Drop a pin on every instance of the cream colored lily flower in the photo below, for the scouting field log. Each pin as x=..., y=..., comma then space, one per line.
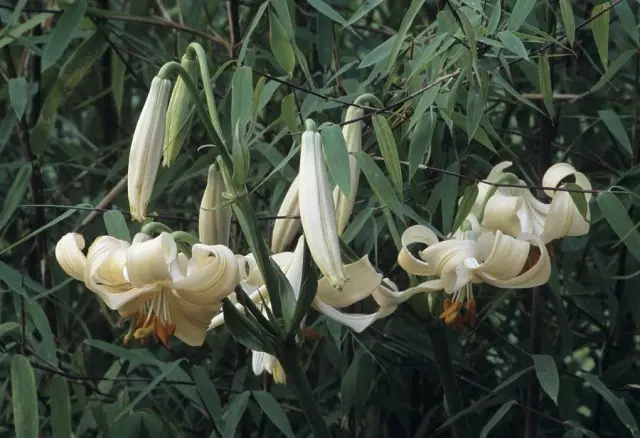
x=161, y=290
x=515, y=210
x=284, y=230
x=146, y=147
x=214, y=223
x=317, y=211
x=492, y=258
x=352, y=134
x=264, y=362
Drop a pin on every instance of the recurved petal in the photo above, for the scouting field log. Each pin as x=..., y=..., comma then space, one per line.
x=191, y=320
x=250, y=273
x=406, y=260
x=363, y=281
x=390, y=296
x=558, y=172
x=212, y=274
x=504, y=256
x=69, y=255
x=148, y=262
x=447, y=259
x=564, y=219
x=501, y=213
x=356, y=321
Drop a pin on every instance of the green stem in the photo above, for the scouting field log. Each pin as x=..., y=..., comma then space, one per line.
x=453, y=400
x=297, y=378
x=155, y=227
x=368, y=98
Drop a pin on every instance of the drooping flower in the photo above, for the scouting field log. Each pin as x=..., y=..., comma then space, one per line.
x=352, y=134
x=489, y=257
x=264, y=362
x=214, y=222
x=514, y=210
x=287, y=223
x=146, y=147
x=317, y=212
x=162, y=291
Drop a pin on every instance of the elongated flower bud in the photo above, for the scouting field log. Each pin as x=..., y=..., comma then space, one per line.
x=317, y=212
x=352, y=134
x=179, y=114
x=284, y=230
x=214, y=223
x=146, y=147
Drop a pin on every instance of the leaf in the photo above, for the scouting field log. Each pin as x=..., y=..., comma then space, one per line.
x=247, y=37
x=379, y=183
x=207, y=391
x=426, y=100
x=18, y=95
x=24, y=398
x=420, y=145
x=627, y=20
x=337, y=156
x=7, y=327
x=475, y=109
x=379, y=54
x=618, y=218
x=118, y=70
x=613, y=123
x=544, y=75
x=116, y=225
x=366, y=7
x=514, y=44
x=60, y=408
x=480, y=136
x=519, y=14
x=568, y=20
x=241, y=328
x=234, y=414
x=466, y=204
x=280, y=44
x=616, y=65
x=494, y=20
x=324, y=40
x=18, y=31
x=495, y=418
x=389, y=150
x=288, y=112
x=62, y=34
x=509, y=89
x=241, y=97
x=409, y=16
x=273, y=411
x=357, y=381
x=328, y=11
x=547, y=374
x=15, y=194
x=600, y=29
x=617, y=404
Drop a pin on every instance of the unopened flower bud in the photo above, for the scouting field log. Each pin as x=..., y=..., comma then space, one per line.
x=214, y=222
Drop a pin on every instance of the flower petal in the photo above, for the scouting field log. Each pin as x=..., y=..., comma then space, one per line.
x=447, y=259
x=148, y=262
x=406, y=260
x=284, y=230
x=501, y=213
x=564, y=219
x=357, y=321
x=556, y=173
x=70, y=257
x=504, y=256
x=388, y=297
x=363, y=280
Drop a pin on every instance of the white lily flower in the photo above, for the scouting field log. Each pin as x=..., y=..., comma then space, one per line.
x=264, y=362
x=284, y=230
x=492, y=258
x=161, y=290
x=514, y=210
x=317, y=212
x=352, y=134
x=214, y=223
x=146, y=147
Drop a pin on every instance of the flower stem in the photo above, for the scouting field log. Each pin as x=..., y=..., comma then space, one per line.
x=453, y=400
x=296, y=376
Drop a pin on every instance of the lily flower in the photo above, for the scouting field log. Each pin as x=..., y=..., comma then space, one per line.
x=490, y=257
x=264, y=362
x=284, y=229
x=162, y=291
x=317, y=212
x=515, y=210
x=352, y=134
x=146, y=147
x=214, y=223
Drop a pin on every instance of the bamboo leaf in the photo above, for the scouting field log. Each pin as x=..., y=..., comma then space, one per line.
x=280, y=45
x=613, y=123
x=495, y=419
x=566, y=11
x=389, y=150
x=337, y=156
x=63, y=33
x=547, y=374
x=24, y=398
x=600, y=29
x=544, y=75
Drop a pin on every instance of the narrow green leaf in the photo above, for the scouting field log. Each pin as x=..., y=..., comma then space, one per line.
x=470, y=34
x=18, y=95
x=568, y=20
x=324, y=40
x=544, y=75
x=379, y=183
x=480, y=136
x=409, y=16
x=241, y=328
x=209, y=395
x=495, y=418
x=24, y=398
x=15, y=194
x=10, y=34
x=116, y=225
x=63, y=33
x=616, y=65
x=573, y=433
x=280, y=44
x=328, y=11
x=519, y=14
x=337, y=156
x=627, y=20
x=420, y=146
x=475, y=109
x=600, y=29
x=466, y=204
x=617, y=404
x=60, y=408
x=514, y=44
x=241, y=96
x=288, y=112
x=234, y=413
x=426, y=100
x=118, y=70
x=356, y=225
x=616, y=215
x=613, y=123
x=256, y=19
x=273, y=411
x=509, y=89
x=379, y=54
x=547, y=374
x=366, y=7
x=389, y=150
x=496, y=15
x=7, y=327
